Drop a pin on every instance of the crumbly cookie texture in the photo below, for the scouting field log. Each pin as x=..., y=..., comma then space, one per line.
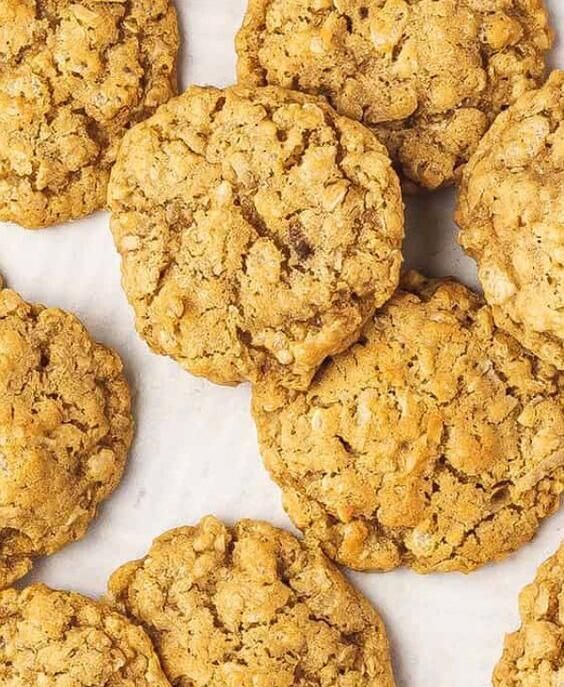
x=251, y=606
x=65, y=430
x=58, y=639
x=534, y=655
x=511, y=214
x=428, y=76
x=74, y=76
x=436, y=442
x=258, y=231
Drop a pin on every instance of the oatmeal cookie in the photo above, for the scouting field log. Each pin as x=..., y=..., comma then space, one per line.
x=251, y=606
x=534, y=655
x=74, y=76
x=428, y=76
x=511, y=214
x=436, y=442
x=258, y=231
x=65, y=430
x=58, y=639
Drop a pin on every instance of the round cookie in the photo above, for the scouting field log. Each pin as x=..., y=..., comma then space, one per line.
x=428, y=76
x=74, y=76
x=436, y=442
x=65, y=431
x=58, y=639
x=251, y=606
x=511, y=215
x=258, y=231
x=534, y=655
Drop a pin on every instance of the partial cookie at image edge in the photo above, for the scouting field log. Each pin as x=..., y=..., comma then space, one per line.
x=67, y=426
x=534, y=654
x=511, y=217
x=251, y=604
x=51, y=638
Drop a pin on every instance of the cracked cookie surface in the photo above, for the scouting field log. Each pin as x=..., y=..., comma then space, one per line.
x=258, y=231
x=65, y=431
x=511, y=214
x=74, y=76
x=59, y=639
x=534, y=655
x=428, y=76
x=436, y=442
x=251, y=606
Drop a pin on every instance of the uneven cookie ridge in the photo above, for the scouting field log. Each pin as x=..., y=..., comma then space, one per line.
x=511, y=214
x=258, y=231
x=428, y=76
x=74, y=76
x=436, y=442
x=65, y=431
x=534, y=654
x=50, y=638
x=251, y=605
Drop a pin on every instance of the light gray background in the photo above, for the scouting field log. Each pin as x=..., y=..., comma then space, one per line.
x=195, y=452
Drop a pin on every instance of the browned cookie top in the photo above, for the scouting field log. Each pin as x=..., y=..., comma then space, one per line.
x=258, y=231
x=436, y=442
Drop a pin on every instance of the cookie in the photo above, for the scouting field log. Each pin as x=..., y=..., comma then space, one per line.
x=251, y=606
x=534, y=655
x=258, y=231
x=65, y=430
x=58, y=639
x=74, y=76
x=428, y=76
x=511, y=215
x=436, y=442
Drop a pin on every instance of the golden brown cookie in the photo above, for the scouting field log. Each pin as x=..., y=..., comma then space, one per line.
x=511, y=214
x=428, y=76
x=65, y=430
x=258, y=231
x=436, y=442
x=534, y=655
x=251, y=606
x=58, y=639
x=74, y=76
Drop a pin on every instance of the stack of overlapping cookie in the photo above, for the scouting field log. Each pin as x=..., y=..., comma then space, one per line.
x=407, y=421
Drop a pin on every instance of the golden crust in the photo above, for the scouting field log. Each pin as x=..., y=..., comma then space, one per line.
x=436, y=442
x=428, y=76
x=51, y=639
x=74, y=76
x=258, y=231
x=511, y=214
x=65, y=431
x=534, y=655
x=251, y=606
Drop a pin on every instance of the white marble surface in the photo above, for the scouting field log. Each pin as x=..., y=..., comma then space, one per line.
x=195, y=451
